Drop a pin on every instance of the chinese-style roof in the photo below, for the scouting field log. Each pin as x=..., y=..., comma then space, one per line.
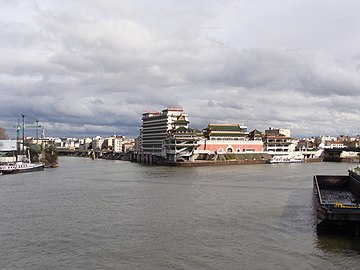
x=256, y=132
x=225, y=127
x=276, y=136
x=181, y=121
x=227, y=134
x=195, y=130
x=182, y=129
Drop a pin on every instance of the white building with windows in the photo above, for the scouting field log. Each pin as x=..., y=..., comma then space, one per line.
x=116, y=143
x=181, y=141
x=230, y=138
x=277, y=140
x=97, y=143
x=7, y=150
x=85, y=144
x=326, y=142
x=155, y=128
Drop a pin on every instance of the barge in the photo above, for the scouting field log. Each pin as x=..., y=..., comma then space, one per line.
x=337, y=201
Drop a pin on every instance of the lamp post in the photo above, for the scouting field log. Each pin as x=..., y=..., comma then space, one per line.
x=23, y=132
x=37, y=131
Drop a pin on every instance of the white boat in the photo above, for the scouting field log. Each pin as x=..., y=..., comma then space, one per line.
x=23, y=162
x=280, y=159
x=296, y=160
x=20, y=167
x=284, y=159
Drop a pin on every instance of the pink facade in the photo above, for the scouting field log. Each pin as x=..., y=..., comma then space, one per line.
x=232, y=146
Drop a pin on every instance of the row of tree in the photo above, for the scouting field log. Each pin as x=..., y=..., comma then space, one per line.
x=3, y=135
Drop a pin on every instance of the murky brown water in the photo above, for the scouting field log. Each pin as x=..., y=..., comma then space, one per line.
x=120, y=215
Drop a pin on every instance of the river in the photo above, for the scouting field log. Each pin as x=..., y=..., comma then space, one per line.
x=101, y=214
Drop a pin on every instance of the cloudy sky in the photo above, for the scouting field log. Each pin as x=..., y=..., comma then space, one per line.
x=92, y=67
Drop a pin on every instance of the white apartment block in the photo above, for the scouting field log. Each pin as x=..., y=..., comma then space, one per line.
x=7, y=150
x=128, y=145
x=116, y=143
x=97, y=143
x=155, y=128
x=324, y=142
x=85, y=143
x=277, y=140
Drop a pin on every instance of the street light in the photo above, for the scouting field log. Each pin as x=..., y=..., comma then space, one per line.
x=23, y=132
x=37, y=131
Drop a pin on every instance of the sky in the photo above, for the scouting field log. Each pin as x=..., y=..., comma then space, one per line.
x=93, y=67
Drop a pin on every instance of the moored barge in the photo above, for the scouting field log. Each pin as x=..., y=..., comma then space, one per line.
x=337, y=201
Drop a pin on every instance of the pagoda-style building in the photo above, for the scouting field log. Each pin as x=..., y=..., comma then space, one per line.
x=225, y=132
x=255, y=135
x=181, y=141
x=229, y=138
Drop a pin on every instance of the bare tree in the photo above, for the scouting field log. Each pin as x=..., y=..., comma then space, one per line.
x=3, y=135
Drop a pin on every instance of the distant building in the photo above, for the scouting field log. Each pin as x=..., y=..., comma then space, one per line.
x=337, y=144
x=255, y=135
x=114, y=143
x=181, y=141
x=62, y=143
x=155, y=128
x=117, y=144
x=278, y=132
x=349, y=141
x=96, y=143
x=137, y=144
x=305, y=144
x=230, y=138
x=8, y=145
x=7, y=150
x=324, y=142
x=128, y=145
x=277, y=140
x=85, y=144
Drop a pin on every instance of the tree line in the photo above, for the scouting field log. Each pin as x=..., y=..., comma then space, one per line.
x=3, y=135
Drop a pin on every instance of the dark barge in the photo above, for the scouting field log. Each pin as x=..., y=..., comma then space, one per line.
x=337, y=201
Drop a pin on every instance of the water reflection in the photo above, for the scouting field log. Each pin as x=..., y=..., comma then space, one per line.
x=338, y=242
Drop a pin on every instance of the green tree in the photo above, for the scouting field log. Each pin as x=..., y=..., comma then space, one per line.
x=3, y=135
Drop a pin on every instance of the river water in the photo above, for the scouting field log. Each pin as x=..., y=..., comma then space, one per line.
x=119, y=215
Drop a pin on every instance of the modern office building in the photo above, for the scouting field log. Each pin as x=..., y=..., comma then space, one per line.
x=156, y=127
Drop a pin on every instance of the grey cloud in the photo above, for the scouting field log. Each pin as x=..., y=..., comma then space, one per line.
x=86, y=72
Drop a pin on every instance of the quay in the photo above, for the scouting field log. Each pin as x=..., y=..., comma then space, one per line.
x=154, y=160
x=151, y=159
x=94, y=154
x=207, y=160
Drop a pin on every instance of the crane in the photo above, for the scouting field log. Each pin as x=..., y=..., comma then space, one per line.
x=37, y=126
x=18, y=128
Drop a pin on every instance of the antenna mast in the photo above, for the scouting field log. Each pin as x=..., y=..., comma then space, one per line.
x=23, y=133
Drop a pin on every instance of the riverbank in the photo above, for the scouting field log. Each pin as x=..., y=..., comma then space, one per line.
x=94, y=154
x=202, y=160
